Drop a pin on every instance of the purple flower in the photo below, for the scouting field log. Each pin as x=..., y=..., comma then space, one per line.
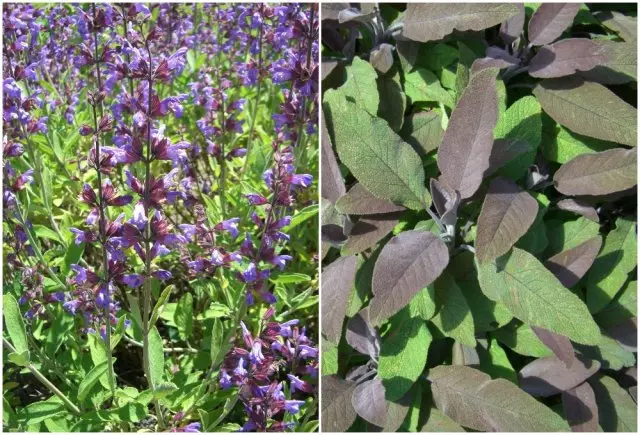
x=162, y=274
x=250, y=275
x=293, y=406
x=225, y=380
x=72, y=306
x=306, y=352
x=281, y=261
x=303, y=180
x=255, y=199
x=285, y=328
x=230, y=225
x=139, y=218
x=255, y=355
x=133, y=280
x=240, y=370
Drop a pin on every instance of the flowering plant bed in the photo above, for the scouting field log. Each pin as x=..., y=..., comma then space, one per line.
x=160, y=215
x=479, y=217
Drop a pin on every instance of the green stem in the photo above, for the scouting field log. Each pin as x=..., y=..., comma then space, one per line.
x=257, y=103
x=45, y=381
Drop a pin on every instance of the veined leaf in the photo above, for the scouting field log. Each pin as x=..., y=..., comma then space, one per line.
x=362, y=336
x=559, y=344
x=403, y=354
x=332, y=184
x=395, y=101
x=217, y=337
x=368, y=231
x=507, y=213
x=439, y=422
x=91, y=379
x=521, y=339
x=464, y=153
x=616, y=408
x=14, y=323
x=454, y=317
x=588, y=108
x=545, y=377
x=423, y=85
x=581, y=409
x=536, y=297
x=337, y=280
x=183, y=316
x=567, y=235
x=423, y=131
x=550, y=20
x=156, y=358
x=385, y=165
x=360, y=201
x=620, y=66
x=579, y=207
x=337, y=413
x=432, y=21
x=599, y=173
x=625, y=26
x=369, y=402
x=473, y=400
x=566, y=57
x=361, y=85
x=571, y=265
x=408, y=263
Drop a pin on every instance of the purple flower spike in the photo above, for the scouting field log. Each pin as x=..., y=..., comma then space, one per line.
x=293, y=406
x=139, y=218
x=133, y=280
x=255, y=355
x=306, y=352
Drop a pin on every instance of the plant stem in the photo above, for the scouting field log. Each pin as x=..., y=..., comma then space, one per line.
x=166, y=349
x=45, y=381
x=255, y=108
x=102, y=222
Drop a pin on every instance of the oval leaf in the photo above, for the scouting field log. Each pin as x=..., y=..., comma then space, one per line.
x=571, y=265
x=464, y=153
x=566, y=57
x=14, y=323
x=409, y=262
x=580, y=208
x=507, y=213
x=370, y=230
x=331, y=178
x=473, y=400
x=379, y=159
x=559, y=344
x=431, y=21
x=616, y=409
x=369, y=402
x=535, y=296
x=550, y=20
x=581, y=409
x=545, y=377
x=361, y=202
x=337, y=411
x=362, y=336
x=598, y=173
x=361, y=85
x=588, y=108
x=156, y=358
x=337, y=281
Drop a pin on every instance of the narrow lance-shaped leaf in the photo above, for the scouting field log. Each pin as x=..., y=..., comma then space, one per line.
x=431, y=21
x=473, y=400
x=545, y=377
x=156, y=358
x=549, y=21
x=337, y=280
x=588, y=108
x=369, y=402
x=535, y=296
x=464, y=153
x=360, y=201
x=385, y=165
x=506, y=215
x=14, y=323
x=566, y=57
x=571, y=265
x=559, y=344
x=581, y=409
x=91, y=379
x=337, y=412
x=598, y=173
x=409, y=262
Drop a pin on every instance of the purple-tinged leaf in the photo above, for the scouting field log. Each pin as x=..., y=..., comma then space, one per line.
x=408, y=263
x=625, y=26
x=397, y=412
x=504, y=151
x=432, y=21
x=511, y=29
x=617, y=411
x=464, y=153
x=330, y=11
x=625, y=333
x=580, y=208
x=550, y=20
x=337, y=413
x=545, y=377
x=370, y=230
x=620, y=67
x=423, y=131
x=446, y=202
x=369, y=402
x=495, y=58
x=464, y=355
x=473, y=400
x=394, y=99
x=382, y=57
x=571, y=265
x=337, y=281
x=328, y=65
x=598, y=173
x=581, y=409
x=589, y=109
x=360, y=201
x=332, y=184
x=507, y=213
x=353, y=14
x=559, y=344
x=362, y=336
x=566, y=57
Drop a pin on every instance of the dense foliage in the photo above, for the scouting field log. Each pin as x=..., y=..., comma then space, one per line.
x=479, y=217
x=160, y=240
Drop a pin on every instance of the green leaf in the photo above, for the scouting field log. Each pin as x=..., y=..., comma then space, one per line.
x=38, y=412
x=624, y=306
x=565, y=235
x=403, y=354
x=98, y=352
x=360, y=86
x=588, y=108
x=183, y=316
x=463, y=70
x=616, y=408
x=439, y=422
x=617, y=258
x=290, y=278
x=521, y=339
x=216, y=341
x=495, y=363
x=91, y=379
x=535, y=296
x=301, y=216
x=423, y=304
x=162, y=300
x=163, y=390
x=423, y=85
x=423, y=131
x=395, y=102
x=454, y=317
x=329, y=360
x=156, y=358
x=45, y=232
x=19, y=358
x=72, y=256
x=384, y=164
x=611, y=355
x=14, y=323
x=561, y=145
